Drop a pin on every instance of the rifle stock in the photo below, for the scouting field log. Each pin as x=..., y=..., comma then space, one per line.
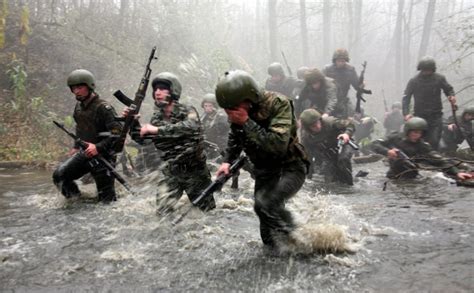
x=361, y=90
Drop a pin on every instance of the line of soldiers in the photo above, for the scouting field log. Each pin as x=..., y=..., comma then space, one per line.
x=261, y=123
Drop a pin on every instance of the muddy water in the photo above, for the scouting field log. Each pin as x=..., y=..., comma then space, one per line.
x=415, y=236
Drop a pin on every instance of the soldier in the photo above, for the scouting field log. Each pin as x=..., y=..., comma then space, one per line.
x=364, y=127
x=320, y=135
x=426, y=88
x=94, y=117
x=344, y=76
x=215, y=126
x=453, y=136
x=319, y=93
x=393, y=120
x=263, y=125
x=177, y=134
x=279, y=82
x=412, y=144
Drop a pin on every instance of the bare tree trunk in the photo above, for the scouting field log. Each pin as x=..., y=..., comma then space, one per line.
x=272, y=29
x=326, y=30
x=427, y=29
x=407, y=44
x=398, y=46
x=357, y=28
x=304, y=32
x=350, y=24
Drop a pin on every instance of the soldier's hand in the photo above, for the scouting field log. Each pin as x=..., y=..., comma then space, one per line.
x=237, y=115
x=148, y=129
x=408, y=117
x=223, y=169
x=452, y=127
x=72, y=152
x=126, y=111
x=344, y=136
x=452, y=100
x=392, y=154
x=91, y=150
x=463, y=176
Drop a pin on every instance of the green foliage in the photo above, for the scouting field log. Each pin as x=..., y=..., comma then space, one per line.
x=17, y=74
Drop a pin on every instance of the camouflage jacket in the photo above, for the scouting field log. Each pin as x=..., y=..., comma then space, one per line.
x=458, y=135
x=96, y=123
x=216, y=128
x=180, y=138
x=419, y=152
x=324, y=143
x=426, y=91
x=344, y=78
x=286, y=86
x=269, y=136
x=324, y=100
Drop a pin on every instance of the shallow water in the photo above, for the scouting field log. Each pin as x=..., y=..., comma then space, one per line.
x=415, y=236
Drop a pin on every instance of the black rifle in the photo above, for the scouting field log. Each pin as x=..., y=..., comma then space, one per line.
x=409, y=163
x=135, y=104
x=214, y=186
x=454, y=108
x=360, y=89
x=340, y=144
x=286, y=63
x=97, y=160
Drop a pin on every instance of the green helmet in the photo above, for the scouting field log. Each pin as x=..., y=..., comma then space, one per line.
x=340, y=54
x=171, y=80
x=209, y=98
x=276, y=68
x=309, y=116
x=314, y=75
x=415, y=123
x=468, y=110
x=301, y=71
x=81, y=76
x=427, y=63
x=235, y=87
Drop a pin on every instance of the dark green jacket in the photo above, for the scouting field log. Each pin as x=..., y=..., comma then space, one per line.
x=286, y=86
x=344, y=78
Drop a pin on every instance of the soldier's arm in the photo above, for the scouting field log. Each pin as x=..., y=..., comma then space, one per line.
x=189, y=126
x=447, y=88
x=407, y=97
x=382, y=146
x=108, y=118
x=276, y=138
x=345, y=126
x=434, y=158
x=331, y=96
x=234, y=145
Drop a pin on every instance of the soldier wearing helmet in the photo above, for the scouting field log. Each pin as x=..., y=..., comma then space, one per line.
x=176, y=131
x=426, y=89
x=94, y=117
x=215, y=125
x=454, y=136
x=393, y=120
x=319, y=93
x=279, y=82
x=263, y=125
x=412, y=144
x=320, y=136
x=344, y=76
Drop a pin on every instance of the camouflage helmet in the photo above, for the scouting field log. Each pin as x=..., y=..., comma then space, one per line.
x=468, y=110
x=397, y=105
x=235, y=87
x=340, y=54
x=313, y=75
x=81, y=76
x=427, y=63
x=309, y=116
x=415, y=123
x=169, y=79
x=209, y=98
x=301, y=71
x=276, y=68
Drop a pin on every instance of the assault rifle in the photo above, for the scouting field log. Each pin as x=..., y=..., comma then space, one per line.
x=214, y=186
x=407, y=160
x=286, y=63
x=97, y=160
x=340, y=144
x=134, y=104
x=454, y=108
x=360, y=89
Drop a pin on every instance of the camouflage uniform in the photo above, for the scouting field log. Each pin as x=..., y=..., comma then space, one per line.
x=324, y=100
x=95, y=121
x=451, y=139
x=269, y=140
x=393, y=120
x=364, y=127
x=322, y=146
x=426, y=90
x=287, y=86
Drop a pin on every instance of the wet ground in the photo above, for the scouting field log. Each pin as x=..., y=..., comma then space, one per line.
x=415, y=236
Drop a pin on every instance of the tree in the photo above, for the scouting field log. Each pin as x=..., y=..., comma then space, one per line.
x=272, y=29
x=304, y=31
x=425, y=38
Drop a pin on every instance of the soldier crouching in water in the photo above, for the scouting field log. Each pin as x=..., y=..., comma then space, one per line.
x=176, y=132
x=405, y=149
x=93, y=117
x=264, y=126
x=320, y=136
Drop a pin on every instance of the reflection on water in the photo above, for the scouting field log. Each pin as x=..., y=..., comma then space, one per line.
x=415, y=236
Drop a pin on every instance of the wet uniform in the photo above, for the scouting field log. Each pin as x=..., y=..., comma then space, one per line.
x=344, y=78
x=324, y=100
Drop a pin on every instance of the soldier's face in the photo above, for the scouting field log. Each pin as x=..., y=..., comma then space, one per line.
x=415, y=135
x=340, y=63
x=316, y=86
x=81, y=91
x=427, y=72
x=276, y=78
x=316, y=127
x=208, y=108
x=161, y=94
x=468, y=117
